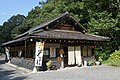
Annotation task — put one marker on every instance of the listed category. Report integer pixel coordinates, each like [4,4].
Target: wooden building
[63,38]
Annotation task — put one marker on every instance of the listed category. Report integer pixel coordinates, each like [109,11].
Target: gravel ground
[73,73]
[85,73]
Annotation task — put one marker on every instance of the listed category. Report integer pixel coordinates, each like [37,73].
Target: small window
[84,51]
[46,53]
[50,53]
[87,51]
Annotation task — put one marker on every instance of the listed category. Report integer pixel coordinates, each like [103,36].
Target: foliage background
[99,17]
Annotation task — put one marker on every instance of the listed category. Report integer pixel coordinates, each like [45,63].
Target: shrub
[102,55]
[114,59]
[91,63]
[49,64]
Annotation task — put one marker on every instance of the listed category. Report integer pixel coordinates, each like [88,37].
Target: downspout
[25,48]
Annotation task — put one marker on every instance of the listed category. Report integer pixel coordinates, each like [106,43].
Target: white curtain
[71,55]
[78,55]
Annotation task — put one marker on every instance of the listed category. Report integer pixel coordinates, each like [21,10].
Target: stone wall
[25,63]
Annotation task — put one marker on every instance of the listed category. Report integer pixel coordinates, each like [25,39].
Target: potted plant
[90,63]
[97,63]
[100,60]
[94,63]
[49,64]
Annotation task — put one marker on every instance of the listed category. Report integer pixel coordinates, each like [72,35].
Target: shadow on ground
[2,62]
[7,74]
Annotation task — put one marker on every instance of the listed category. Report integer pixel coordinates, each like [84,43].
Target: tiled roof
[65,34]
[46,23]
[39,31]
[15,40]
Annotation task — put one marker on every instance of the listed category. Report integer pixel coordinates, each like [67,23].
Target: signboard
[7,49]
[39,53]
[52,52]
[48,45]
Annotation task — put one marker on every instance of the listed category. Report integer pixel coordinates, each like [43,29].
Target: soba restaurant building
[62,40]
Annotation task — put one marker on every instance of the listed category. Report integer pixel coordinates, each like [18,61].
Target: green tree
[6,29]
[101,17]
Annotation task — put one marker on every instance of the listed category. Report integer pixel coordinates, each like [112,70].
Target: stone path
[74,73]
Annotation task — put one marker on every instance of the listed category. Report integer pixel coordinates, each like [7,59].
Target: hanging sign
[39,53]
[7,49]
[52,52]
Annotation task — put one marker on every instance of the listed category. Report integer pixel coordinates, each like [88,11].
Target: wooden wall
[27,51]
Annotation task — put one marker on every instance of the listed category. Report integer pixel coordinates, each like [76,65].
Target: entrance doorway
[65,48]
[74,55]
